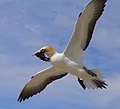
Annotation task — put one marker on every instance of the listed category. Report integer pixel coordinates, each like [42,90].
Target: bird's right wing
[84,28]
[39,82]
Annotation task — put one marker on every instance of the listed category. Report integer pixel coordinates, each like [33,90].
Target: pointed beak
[33,54]
[41,55]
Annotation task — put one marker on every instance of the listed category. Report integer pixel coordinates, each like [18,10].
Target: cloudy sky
[27,25]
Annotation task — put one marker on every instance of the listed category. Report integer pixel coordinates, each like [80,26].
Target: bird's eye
[43,51]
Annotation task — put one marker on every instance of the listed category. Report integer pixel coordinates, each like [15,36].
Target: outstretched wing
[84,28]
[39,82]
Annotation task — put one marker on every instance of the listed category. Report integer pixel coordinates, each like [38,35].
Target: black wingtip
[100,84]
[20,100]
[81,83]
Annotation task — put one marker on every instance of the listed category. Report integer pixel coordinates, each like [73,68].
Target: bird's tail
[97,82]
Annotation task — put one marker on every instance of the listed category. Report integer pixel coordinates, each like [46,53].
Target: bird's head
[46,50]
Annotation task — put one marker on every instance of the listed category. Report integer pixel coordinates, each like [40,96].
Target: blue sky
[27,25]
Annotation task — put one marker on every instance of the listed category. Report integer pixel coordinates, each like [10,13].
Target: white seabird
[70,61]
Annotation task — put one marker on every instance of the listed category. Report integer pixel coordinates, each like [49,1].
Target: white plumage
[70,61]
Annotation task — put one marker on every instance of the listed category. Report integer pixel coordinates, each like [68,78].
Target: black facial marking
[41,55]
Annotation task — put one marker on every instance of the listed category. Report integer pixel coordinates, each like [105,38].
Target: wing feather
[84,28]
[39,82]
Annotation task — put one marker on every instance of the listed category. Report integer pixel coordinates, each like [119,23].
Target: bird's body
[60,61]
[70,61]
[63,63]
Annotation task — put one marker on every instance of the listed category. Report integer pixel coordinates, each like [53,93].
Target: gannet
[70,61]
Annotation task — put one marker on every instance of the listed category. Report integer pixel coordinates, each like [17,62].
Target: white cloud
[63,21]
[107,40]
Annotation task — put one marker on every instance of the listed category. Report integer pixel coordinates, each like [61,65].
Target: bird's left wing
[84,28]
[39,82]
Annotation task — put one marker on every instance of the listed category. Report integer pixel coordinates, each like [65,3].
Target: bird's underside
[71,57]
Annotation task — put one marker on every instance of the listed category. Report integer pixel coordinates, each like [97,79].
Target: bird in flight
[70,61]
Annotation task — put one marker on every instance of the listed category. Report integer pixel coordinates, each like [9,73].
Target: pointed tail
[95,83]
